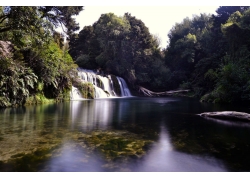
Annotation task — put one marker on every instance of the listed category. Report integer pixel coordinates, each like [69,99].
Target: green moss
[86,89]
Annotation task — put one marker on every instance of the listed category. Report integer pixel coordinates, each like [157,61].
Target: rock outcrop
[6,49]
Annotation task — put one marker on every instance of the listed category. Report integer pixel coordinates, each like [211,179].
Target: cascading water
[75,94]
[104,85]
[124,88]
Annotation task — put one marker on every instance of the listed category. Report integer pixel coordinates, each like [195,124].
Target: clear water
[69,136]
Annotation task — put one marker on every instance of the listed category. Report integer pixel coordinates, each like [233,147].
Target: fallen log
[227,115]
[149,93]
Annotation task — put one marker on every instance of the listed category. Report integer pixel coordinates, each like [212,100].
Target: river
[123,134]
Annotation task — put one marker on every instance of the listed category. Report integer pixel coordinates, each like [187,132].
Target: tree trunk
[227,115]
[149,93]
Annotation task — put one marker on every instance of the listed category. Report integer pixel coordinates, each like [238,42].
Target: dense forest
[34,60]
[208,54]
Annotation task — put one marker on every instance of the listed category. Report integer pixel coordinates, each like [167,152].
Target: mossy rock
[86,89]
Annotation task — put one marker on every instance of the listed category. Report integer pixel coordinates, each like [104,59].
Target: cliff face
[6,49]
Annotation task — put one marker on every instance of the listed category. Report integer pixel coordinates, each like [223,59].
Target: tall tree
[186,48]
[84,48]
[28,18]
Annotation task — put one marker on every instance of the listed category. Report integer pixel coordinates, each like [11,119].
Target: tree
[110,31]
[17,82]
[58,39]
[234,83]
[122,46]
[29,19]
[186,48]
[84,48]
[38,65]
[222,75]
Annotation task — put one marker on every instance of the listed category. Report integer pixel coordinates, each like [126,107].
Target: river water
[123,134]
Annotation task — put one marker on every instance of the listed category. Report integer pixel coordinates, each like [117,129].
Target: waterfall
[75,94]
[104,85]
[124,88]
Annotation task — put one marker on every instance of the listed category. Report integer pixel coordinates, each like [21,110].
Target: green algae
[31,153]
[117,144]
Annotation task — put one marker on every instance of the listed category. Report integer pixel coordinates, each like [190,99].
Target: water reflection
[90,115]
[164,158]
[97,114]
[183,142]
[229,122]
[71,157]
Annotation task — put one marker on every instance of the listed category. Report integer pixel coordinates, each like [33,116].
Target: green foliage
[188,45]
[38,68]
[53,67]
[47,71]
[233,84]
[19,18]
[58,38]
[84,48]
[211,75]
[30,19]
[211,54]
[17,82]
[83,60]
[208,53]
[38,98]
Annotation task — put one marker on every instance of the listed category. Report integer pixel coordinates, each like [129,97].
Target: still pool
[123,134]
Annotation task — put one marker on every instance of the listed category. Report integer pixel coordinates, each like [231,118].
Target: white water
[75,94]
[103,85]
[124,88]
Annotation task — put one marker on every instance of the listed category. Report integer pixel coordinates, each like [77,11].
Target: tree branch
[3,17]
[5,29]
